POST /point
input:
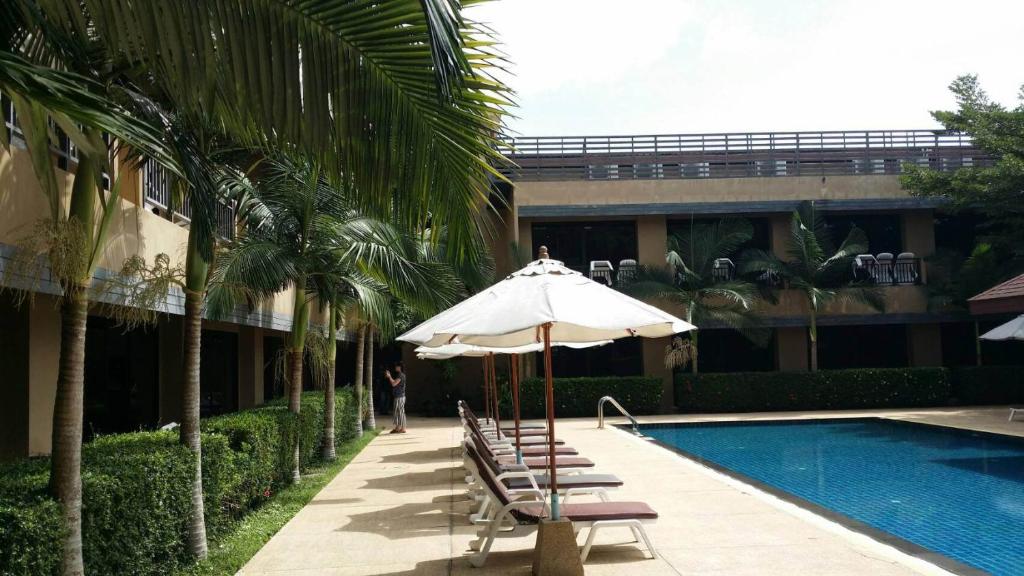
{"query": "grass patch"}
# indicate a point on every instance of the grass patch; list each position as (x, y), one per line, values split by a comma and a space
(240, 542)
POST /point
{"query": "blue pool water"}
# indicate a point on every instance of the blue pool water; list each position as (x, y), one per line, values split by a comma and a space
(955, 492)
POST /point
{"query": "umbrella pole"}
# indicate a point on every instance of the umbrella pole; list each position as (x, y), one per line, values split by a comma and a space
(550, 393)
(514, 375)
(495, 397)
(487, 392)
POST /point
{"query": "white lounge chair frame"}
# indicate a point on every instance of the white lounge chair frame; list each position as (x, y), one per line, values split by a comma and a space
(500, 523)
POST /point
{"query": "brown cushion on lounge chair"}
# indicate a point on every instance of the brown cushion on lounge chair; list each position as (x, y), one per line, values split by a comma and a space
(543, 450)
(540, 463)
(591, 512)
(575, 481)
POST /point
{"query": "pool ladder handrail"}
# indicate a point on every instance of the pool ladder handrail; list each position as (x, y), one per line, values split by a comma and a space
(600, 413)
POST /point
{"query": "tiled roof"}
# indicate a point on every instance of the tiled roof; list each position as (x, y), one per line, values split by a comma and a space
(1012, 288)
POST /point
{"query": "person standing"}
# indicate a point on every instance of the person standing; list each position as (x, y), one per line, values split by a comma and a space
(398, 389)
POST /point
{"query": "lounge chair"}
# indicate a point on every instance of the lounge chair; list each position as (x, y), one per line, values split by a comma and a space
(533, 462)
(522, 478)
(1013, 412)
(469, 422)
(517, 514)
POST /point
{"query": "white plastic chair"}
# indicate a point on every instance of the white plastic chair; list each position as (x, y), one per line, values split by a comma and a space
(627, 270)
(864, 266)
(884, 269)
(904, 270)
(601, 270)
(722, 269)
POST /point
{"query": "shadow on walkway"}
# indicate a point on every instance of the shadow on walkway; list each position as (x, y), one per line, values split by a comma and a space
(415, 481)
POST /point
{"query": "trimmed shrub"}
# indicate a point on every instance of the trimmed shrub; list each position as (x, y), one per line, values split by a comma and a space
(579, 396)
(137, 489)
(824, 390)
(988, 385)
(136, 503)
(30, 520)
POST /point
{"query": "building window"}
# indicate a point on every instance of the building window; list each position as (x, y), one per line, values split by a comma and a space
(578, 243)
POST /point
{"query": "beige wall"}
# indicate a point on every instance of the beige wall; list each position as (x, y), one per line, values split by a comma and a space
(651, 240)
(576, 192)
(44, 357)
(791, 349)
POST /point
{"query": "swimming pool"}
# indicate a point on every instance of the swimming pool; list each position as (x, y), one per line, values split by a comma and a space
(955, 492)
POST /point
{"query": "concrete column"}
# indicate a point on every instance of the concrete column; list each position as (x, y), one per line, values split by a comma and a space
(919, 237)
(651, 245)
(172, 351)
(14, 356)
(919, 233)
(250, 367)
(924, 344)
(781, 226)
(525, 236)
(44, 359)
(654, 366)
(791, 349)
(651, 240)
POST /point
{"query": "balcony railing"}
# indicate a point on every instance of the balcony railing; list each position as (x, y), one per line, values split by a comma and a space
(156, 188)
(64, 149)
(740, 155)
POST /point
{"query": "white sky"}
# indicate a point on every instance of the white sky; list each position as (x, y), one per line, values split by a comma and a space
(683, 66)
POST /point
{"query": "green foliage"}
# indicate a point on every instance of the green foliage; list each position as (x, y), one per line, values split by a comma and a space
(136, 489)
(996, 191)
(988, 385)
(579, 396)
(30, 521)
(825, 390)
(235, 547)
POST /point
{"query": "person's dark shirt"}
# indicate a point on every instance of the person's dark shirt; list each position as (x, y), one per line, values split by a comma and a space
(399, 390)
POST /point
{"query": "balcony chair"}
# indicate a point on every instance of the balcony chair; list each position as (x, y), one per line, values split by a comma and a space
(905, 269)
(864, 266)
(883, 274)
(601, 271)
(627, 270)
(722, 269)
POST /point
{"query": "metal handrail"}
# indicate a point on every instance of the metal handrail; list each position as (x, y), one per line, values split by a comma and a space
(600, 413)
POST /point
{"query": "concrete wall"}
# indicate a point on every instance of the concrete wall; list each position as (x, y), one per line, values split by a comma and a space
(576, 192)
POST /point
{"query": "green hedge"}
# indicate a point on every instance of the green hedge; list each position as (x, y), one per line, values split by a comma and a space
(824, 390)
(579, 396)
(988, 385)
(137, 489)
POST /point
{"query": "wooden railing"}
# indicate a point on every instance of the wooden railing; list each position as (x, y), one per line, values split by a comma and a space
(740, 155)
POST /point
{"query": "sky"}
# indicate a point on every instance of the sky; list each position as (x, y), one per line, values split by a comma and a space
(605, 67)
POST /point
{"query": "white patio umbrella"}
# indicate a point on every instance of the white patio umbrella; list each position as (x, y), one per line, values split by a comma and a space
(545, 302)
(455, 350)
(1012, 330)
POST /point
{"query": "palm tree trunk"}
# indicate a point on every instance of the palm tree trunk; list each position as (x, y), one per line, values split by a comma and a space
(360, 345)
(68, 404)
(328, 451)
(196, 273)
(66, 457)
(812, 331)
(695, 356)
(300, 322)
(370, 422)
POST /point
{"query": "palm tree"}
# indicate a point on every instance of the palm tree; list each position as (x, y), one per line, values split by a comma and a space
(84, 102)
(815, 268)
(689, 280)
(304, 233)
(394, 95)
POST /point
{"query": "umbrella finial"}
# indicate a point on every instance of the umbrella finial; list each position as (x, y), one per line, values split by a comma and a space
(542, 253)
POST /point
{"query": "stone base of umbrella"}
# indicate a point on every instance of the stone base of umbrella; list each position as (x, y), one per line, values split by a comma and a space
(556, 553)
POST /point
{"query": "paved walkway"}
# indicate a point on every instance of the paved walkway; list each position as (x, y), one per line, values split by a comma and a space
(400, 508)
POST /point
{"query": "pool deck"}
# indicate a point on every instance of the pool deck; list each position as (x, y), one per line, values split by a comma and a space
(400, 508)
